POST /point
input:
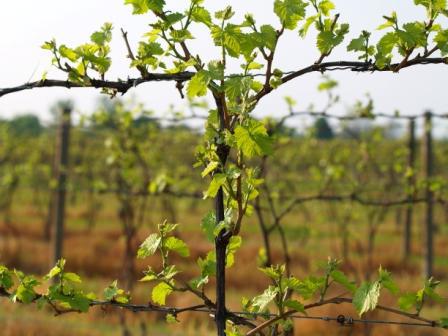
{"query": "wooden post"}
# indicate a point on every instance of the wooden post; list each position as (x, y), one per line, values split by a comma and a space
(411, 185)
(428, 171)
(223, 238)
(62, 158)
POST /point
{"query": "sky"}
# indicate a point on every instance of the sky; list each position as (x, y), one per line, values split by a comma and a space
(26, 24)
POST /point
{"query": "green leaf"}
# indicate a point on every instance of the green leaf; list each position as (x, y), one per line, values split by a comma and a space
(408, 301)
(170, 271)
(68, 53)
(103, 36)
(342, 279)
(181, 35)
(143, 6)
(201, 15)
(327, 40)
(366, 297)
(170, 318)
(149, 246)
(290, 12)
(225, 14)
(139, 6)
(443, 322)
(433, 7)
(236, 87)
(25, 291)
(413, 36)
(391, 21)
(72, 277)
(441, 39)
(177, 245)
(268, 36)
(234, 244)
(53, 272)
(160, 293)
(387, 282)
(6, 281)
(272, 272)
(253, 139)
(384, 49)
(295, 305)
(208, 225)
(49, 45)
(215, 184)
(309, 286)
(210, 167)
(149, 276)
(261, 302)
(325, 6)
(197, 86)
(156, 5)
(79, 302)
(111, 291)
(359, 44)
(327, 85)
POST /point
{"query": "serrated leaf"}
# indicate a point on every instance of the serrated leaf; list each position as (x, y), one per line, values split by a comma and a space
(295, 305)
(325, 6)
(170, 318)
(53, 272)
(68, 53)
(177, 245)
(253, 139)
(441, 39)
(342, 279)
(309, 286)
(261, 302)
(208, 225)
(73, 277)
(387, 282)
(366, 297)
(210, 168)
(160, 293)
(6, 281)
(217, 181)
(290, 12)
(111, 291)
(268, 36)
(408, 301)
(149, 246)
(156, 5)
(357, 44)
(139, 6)
(197, 86)
(202, 15)
(234, 244)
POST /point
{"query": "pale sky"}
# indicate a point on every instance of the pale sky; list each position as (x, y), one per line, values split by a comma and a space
(26, 24)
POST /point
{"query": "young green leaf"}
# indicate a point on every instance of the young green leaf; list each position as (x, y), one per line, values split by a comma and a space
(197, 86)
(253, 139)
(366, 297)
(177, 245)
(215, 184)
(160, 293)
(295, 305)
(208, 225)
(260, 302)
(149, 246)
(290, 12)
(342, 279)
(6, 281)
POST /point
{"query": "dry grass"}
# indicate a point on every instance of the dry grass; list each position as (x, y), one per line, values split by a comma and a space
(97, 255)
